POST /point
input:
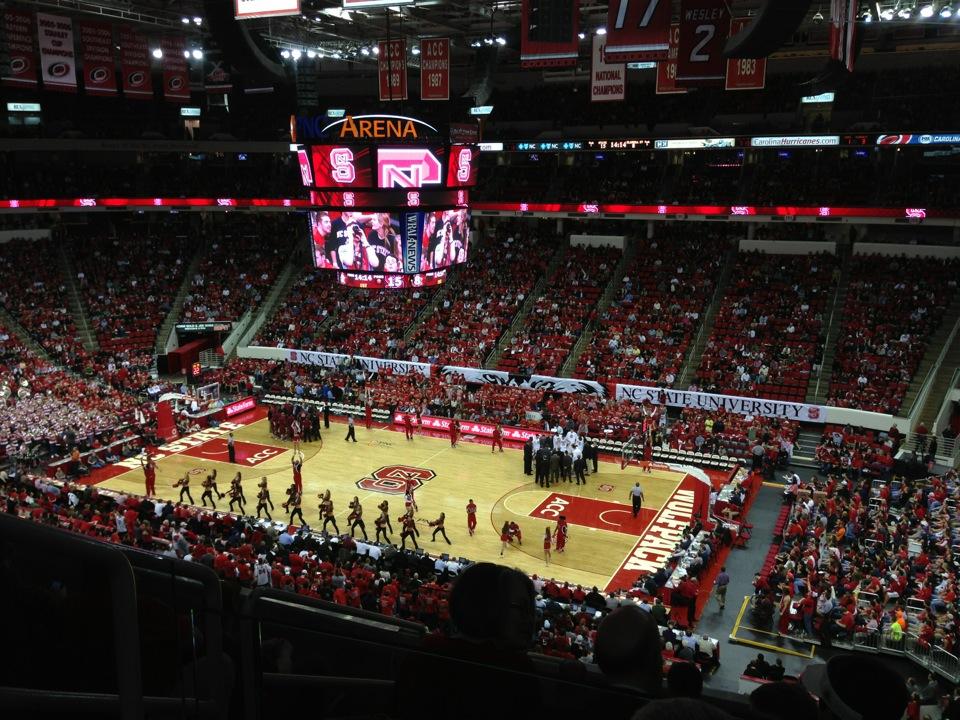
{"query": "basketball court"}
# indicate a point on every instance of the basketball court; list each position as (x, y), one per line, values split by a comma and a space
(606, 545)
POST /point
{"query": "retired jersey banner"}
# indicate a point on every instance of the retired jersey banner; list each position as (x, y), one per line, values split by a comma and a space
(99, 64)
(703, 33)
(745, 73)
(729, 403)
(393, 70)
(638, 30)
(58, 61)
(608, 81)
(667, 69)
(135, 64)
(435, 69)
(18, 38)
(548, 33)
(176, 77)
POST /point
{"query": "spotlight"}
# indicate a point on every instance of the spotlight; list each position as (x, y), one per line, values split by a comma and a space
(157, 53)
(501, 41)
(926, 11)
(197, 54)
(582, 36)
(376, 50)
(415, 50)
(364, 51)
(295, 54)
(601, 31)
(946, 11)
(887, 14)
(285, 54)
(488, 41)
(311, 54)
(185, 20)
(818, 17)
(197, 21)
(905, 13)
(186, 54)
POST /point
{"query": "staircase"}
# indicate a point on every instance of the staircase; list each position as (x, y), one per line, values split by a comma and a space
(819, 385)
(171, 320)
(941, 381)
(494, 357)
(609, 295)
(695, 354)
(84, 333)
(289, 274)
(11, 324)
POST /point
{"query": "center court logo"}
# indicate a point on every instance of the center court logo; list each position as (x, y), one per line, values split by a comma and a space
(392, 479)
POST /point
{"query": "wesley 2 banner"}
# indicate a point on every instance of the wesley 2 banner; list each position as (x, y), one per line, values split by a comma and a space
(730, 403)
(638, 30)
(18, 38)
(58, 61)
(548, 33)
(704, 25)
(99, 73)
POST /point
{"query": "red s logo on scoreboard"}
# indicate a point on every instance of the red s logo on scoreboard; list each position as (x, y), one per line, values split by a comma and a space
(464, 165)
(341, 164)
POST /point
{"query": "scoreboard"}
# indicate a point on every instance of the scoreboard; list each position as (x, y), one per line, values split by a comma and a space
(390, 198)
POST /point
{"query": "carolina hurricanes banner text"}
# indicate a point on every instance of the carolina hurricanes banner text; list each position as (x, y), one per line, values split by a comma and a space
(638, 30)
(435, 69)
(393, 70)
(548, 33)
(96, 41)
(135, 64)
(176, 81)
(18, 37)
(703, 32)
(58, 62)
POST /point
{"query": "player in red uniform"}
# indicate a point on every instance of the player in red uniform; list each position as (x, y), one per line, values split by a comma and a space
(368, 413)
(150, 475)
(297, 474)
(647, 451)
(515, 533)
(408, 426)
(560, 534)
(497, 438)
(454, 433)
(471, 516)
(547, 542)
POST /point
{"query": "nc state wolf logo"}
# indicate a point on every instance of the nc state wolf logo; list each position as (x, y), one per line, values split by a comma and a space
(392, 479)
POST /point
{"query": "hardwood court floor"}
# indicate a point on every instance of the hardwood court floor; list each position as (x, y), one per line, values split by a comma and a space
(602, 531)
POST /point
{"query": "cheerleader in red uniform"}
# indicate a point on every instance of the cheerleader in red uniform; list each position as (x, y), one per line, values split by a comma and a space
(560, 534)
(547, 542)
(504, 537)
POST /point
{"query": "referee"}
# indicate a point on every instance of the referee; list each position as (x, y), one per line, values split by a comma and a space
(636, 495)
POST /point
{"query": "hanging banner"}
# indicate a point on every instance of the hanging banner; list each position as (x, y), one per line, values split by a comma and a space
(729, 403)
(176, 77)
(135, 64)
(395, 367)
(318, 359)
(548, 33)
(843, 32)
(608, 81)
(638, 30)
(470, 427)
(392, 63)
(216, 75)
(667, 69)
(247, 9)
(99, 72)
(745, 73)
(703, 33)
(58, 62)
(20, 47)
(435, 69)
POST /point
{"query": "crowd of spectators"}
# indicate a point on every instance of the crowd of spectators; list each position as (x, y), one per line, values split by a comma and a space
(240, 265)
(645, 333)
(893, 307)
(768, 332)
(733, 434)
(562, 312)
(299, 316)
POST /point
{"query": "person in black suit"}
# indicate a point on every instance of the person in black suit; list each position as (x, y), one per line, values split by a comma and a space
(528, 456)
(590, 453)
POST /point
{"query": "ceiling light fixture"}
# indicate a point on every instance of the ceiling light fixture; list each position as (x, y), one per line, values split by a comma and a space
(601, 31)
(157, 53)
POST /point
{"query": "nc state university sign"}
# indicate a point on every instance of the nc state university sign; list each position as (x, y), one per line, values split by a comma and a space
(393, 479)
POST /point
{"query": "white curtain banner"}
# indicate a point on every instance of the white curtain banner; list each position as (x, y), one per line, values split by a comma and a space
(397, 367)
(730, 403)
(317, 359)
(58, 62)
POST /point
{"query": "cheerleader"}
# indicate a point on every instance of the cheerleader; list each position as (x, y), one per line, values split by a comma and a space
(384, 509)
(326, 511)
(297, 429)
(504, 537)
(209, 488)
(560, 534)
(263, 498)
(355, 518)
(437, 526)
(409, 530)
(297, 465)
(380, 524)
(184, 485)
(547, 542)
(293, 503)
(236, 494)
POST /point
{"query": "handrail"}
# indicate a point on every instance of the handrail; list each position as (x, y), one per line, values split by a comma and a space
(920, 400)
(826, 339)
(123, 595)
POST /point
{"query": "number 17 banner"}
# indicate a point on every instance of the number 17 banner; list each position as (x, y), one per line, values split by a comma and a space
(435, 69)
(638, 30)
(745, 73)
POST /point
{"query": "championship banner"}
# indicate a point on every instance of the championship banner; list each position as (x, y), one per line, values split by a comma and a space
(703, 33)
(99, 73)
(435, 69)
(135, 64)
(20, 47)
(729, 403)
(392, 65)
(548, 33)
(176, 78)
(843, 32)
(638, 30)
(667, 69)
(467, 427)
(58, 62)
(608, 81)
(745, 73)
(247, 9)
(396, 367)
(317, 359)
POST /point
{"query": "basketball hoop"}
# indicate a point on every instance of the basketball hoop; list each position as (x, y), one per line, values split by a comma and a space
(630, 451)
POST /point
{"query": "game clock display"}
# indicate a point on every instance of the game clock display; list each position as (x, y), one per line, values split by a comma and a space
(364, 167)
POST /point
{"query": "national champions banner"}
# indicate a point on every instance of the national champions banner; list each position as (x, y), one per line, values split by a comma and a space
(730, 403)
(608, 81)
(18, 37)
(99, 73)
(58, 61)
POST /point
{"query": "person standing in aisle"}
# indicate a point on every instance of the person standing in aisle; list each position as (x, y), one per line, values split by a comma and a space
(636, 497)
(721, 586)
(351, 431)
